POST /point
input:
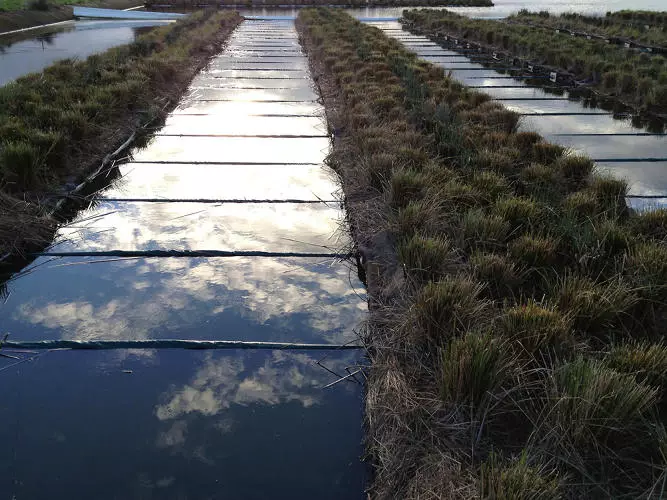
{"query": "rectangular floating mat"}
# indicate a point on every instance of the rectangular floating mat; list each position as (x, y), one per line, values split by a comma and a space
(260, 73)
(176, 424)
(234, 150)
(236, 111)
(177, 181)
(249, 83)
(577, 124)
(281, 65)
(644, 178)
(139, 226)
(619, 147)
(547, 106)
(307, 300)
(514, 93)
(304, 93)
(247, 125)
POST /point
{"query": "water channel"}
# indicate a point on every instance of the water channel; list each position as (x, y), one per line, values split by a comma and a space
(229, 423)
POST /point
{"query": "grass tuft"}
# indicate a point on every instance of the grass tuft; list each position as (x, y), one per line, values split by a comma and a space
(652, 224)
(536, 327)
(425, 259)
(646, 361)
(473, 369)
(517, 480)
(449, 308)
(520, 213)
(596, 308)
(482, 230)
(592, 401)
(534, 251)
(499, 273)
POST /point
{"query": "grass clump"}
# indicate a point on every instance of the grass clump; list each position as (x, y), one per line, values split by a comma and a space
(536, 327)
(498, 273)
(449, 307)
(534, 251)
(481, 230)
(652, 224)
(517, 480)
(519, 212)
(473, 369)
(593, 414)
(596, 308)
(426, 259)
(645, 360)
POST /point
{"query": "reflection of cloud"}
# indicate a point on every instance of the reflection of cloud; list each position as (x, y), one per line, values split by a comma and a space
(96, 322)
(174, 436)
(226, 384)
(223, 381)
(196, 226)
(293, 295)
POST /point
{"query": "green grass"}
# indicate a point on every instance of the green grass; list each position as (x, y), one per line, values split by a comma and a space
(13, 4)
(626, 25)
(518, 304)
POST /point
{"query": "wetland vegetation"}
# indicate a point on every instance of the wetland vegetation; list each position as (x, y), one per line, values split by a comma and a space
(58, 124)
(632, 77)
(612, 26)
(517, 304)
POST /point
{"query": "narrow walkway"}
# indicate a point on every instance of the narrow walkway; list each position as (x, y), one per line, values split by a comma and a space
(232, 229)
(617, 146)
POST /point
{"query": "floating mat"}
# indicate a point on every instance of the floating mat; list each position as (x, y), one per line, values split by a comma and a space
(238, 298)
(181, 425)
(144, 226)
(234, 149)
(223, 182)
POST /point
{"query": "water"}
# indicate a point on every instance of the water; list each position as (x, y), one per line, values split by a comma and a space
(502, 8)
(238, 166)
(31, 52)
(179, 425)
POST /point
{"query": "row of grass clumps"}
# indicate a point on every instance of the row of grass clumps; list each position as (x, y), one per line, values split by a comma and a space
(607, 27)
(517, 305)
(339, 3)
(637, 79)
(19, 19)
(57, 124)
(644, 17)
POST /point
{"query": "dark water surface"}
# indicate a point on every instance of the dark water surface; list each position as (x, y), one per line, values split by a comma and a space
(179, 425)
(237, 167)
